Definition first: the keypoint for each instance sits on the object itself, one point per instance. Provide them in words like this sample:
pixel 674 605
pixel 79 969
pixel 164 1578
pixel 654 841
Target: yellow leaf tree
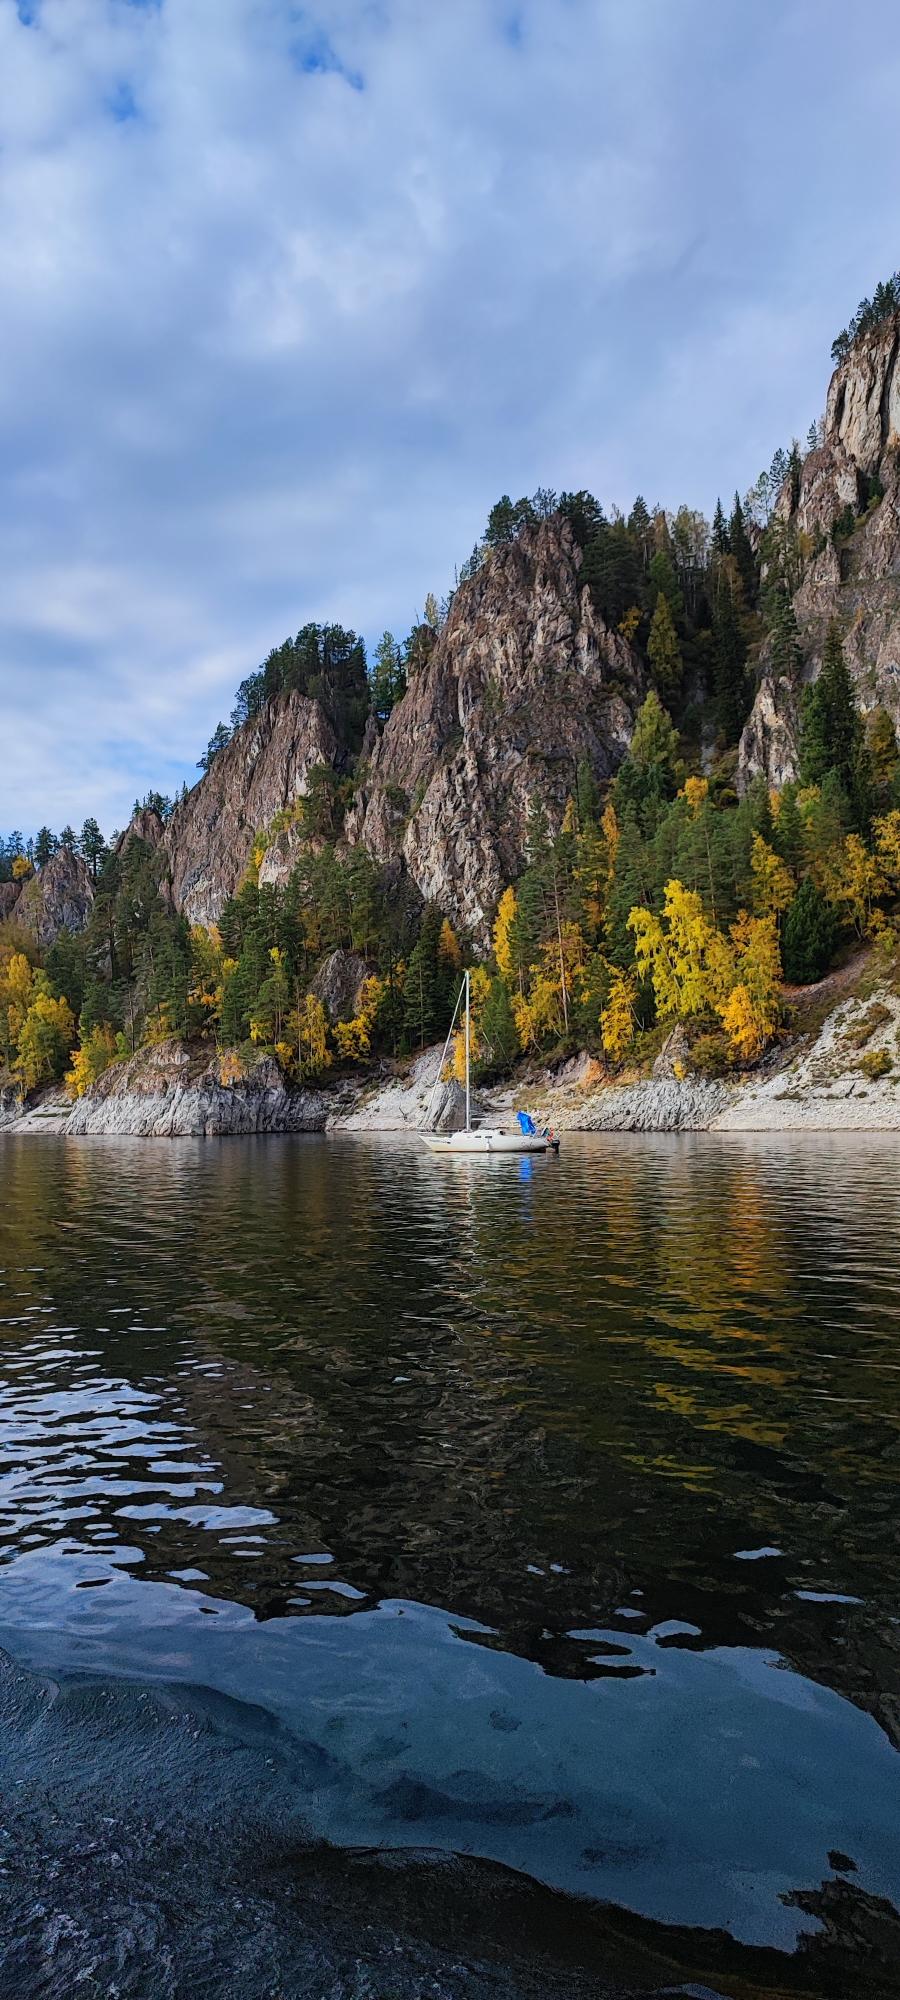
pixel 617 1020
pixel 773 883
pixel 504 933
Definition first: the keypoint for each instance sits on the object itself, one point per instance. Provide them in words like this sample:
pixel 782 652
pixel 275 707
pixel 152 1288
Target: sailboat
pixel 482 1138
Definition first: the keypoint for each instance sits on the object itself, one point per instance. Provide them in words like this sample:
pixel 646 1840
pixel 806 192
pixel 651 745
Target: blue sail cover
pixel 526 1123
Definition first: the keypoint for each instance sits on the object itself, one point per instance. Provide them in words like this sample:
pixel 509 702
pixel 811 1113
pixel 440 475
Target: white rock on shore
pixel 172 1091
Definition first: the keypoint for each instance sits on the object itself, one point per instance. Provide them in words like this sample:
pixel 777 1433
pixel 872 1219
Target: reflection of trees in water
pixel 631 1364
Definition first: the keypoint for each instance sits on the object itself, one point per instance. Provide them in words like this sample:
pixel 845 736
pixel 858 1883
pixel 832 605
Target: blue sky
pixel 291 294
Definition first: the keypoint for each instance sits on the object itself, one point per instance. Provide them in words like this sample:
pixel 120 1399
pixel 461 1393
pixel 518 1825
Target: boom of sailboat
pixel 482 1138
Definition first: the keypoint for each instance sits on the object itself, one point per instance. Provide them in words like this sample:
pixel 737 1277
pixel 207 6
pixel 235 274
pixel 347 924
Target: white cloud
pixel 292 294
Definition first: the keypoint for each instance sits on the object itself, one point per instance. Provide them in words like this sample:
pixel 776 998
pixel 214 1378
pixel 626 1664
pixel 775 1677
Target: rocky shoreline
pixel 844 1076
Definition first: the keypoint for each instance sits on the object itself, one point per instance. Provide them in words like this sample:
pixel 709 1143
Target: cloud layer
pixel 292 294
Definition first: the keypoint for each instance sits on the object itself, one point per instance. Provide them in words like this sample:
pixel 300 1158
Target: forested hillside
pixel 636 767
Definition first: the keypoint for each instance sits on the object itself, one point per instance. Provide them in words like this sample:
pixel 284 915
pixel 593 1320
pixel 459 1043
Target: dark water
pixel 539 1514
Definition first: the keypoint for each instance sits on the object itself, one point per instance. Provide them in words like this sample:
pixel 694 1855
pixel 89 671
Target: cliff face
pixel 61 897
pixel 524 682
pixel 857 582
pixel 209 837
pixel 176 1091
pixel 144 825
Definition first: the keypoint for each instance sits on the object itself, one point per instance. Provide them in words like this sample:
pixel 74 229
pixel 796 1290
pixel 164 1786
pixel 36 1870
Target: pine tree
pixel 422 1010
pixel 787 659
pixel 807 937
pixel 93 846
pixel 787 833
pixel 220 737
pixel 730 680
pixel 497 1027
pixel 45 845
pixel 742 551
pixel 721 540
pixel 832 738
pixel 388 678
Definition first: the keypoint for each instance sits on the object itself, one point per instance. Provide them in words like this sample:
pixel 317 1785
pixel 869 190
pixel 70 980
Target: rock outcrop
pixel 856 581
pixel 9 896
pixel 209 838
pixel 524 683
pixel 175 1090
pixel 144 825
pixel 338 984
pixel 60 898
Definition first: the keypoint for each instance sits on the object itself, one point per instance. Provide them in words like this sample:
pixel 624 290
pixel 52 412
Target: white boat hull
pixel 486 1140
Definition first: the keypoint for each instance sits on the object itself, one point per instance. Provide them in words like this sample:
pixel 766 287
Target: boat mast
pixel 468 1121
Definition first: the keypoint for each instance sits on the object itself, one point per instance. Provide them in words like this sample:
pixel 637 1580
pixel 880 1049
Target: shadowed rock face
pixel 209 838
pixel 858 583
pixel 60 898
pixel 524 682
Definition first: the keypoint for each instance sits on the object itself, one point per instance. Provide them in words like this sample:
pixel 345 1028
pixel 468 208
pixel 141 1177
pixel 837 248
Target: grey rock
pixel 144 825
pixel 175 1091
pixel 523 683
pixel 209 838
pixel 657 1106
pixel 338 984
pixel 858 583
pixel 60 898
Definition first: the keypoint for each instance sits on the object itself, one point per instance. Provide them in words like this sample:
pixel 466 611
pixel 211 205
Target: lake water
pixel 539 1513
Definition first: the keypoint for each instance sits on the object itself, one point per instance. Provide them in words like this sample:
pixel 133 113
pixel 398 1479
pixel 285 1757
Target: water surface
pixel 541 1513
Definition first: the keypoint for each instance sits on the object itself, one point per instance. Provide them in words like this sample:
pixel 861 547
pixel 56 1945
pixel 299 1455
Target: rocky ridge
pixel 858 581
pixel 59 898
pixel 524 682
pixel 209 838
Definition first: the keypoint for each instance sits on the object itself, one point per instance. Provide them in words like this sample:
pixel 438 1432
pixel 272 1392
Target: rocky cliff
pixel 855 579
pixel 266 765
pixel 524 682
pixel 61 897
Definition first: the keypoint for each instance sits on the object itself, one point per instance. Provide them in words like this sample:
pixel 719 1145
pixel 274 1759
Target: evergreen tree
pixel 68 839
pixel 585 516
pixel 422 1009
pixel 93 846
pixel 832 738
pixel 807 936
pixel 742 551
pixel 497 1028
pixel 729 650
pixel 787 833
pixel 45 845
pixel 787 659
pixel 388 676
pixel 587 797
pixel 220 737
pixel 721 540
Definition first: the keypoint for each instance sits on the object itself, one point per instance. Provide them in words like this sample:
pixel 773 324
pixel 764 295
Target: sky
pixel 292 294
